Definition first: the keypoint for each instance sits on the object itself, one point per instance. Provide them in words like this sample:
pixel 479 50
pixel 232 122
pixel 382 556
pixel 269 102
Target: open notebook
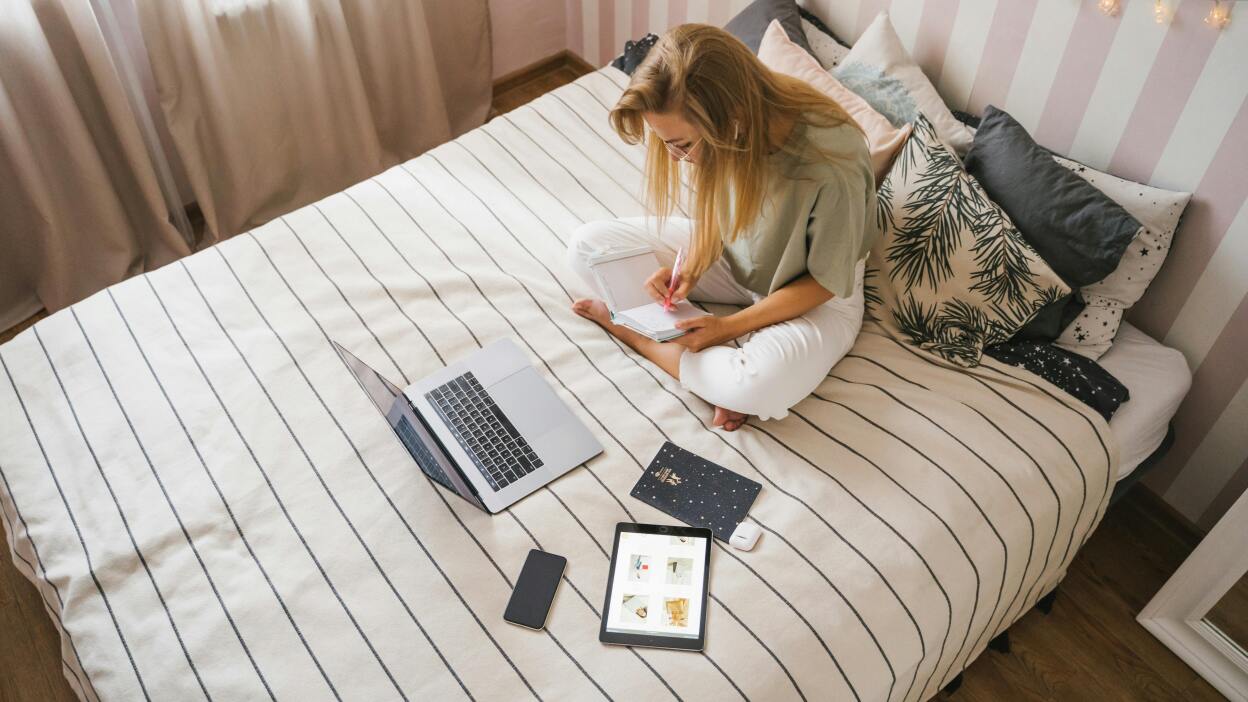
pixel 621 275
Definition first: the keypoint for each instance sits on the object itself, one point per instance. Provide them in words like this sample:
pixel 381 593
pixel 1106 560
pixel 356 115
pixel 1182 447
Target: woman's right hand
pixel 656 285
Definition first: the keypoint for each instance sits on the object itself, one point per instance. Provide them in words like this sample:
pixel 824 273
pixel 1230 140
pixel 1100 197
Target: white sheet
pixel 211 506
pixel 1158 378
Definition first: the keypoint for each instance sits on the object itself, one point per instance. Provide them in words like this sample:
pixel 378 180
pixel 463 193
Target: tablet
pixel 657 587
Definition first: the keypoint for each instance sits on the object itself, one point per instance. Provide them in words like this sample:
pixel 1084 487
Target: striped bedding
pixel 211 508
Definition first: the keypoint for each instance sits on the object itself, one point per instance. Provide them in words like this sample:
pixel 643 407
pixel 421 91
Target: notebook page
pixel 622 276
pixel 658 320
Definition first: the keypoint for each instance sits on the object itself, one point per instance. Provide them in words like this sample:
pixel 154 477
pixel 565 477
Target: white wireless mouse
pixel 745 536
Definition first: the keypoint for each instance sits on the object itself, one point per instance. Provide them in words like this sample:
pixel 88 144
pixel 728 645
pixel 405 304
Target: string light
pixel 1219 16
pixel 1161 12
pixel 1110 7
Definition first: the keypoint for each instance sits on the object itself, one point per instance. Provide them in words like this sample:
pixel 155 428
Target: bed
pixel 210 507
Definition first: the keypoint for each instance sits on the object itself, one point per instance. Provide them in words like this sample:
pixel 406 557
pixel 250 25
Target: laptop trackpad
pixel 530 403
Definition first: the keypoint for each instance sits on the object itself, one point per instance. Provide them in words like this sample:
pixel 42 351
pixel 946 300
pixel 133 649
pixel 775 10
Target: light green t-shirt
pixel 818 218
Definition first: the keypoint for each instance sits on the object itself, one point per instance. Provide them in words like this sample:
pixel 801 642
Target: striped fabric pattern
pixel 1165 105
pixel 211 508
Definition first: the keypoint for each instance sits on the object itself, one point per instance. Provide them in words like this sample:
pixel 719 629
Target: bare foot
pixel 665 356
pixel 728 420
pixel 595 311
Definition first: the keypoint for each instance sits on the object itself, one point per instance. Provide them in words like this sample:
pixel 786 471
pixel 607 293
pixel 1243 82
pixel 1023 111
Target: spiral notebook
pixel 696 491
pixel 621 276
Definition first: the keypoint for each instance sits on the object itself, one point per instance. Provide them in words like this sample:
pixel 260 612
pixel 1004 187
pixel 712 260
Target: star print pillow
pixel 1081 377
pixel 1107 300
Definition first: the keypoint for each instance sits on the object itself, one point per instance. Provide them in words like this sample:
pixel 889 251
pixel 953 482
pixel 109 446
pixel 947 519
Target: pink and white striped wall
pixel 1165 105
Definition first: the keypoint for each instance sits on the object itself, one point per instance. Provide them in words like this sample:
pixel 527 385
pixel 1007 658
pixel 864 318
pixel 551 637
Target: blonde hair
pixel 718 85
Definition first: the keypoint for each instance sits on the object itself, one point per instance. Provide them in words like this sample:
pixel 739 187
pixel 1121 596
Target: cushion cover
pixel 1158 211
pixel 952 274
pixel 782 55
pixel 824 43
pixel 825 49
pixel 880 70
pixel 1081 378
pixel 751 23
pixel 634 53
pixel 1080 232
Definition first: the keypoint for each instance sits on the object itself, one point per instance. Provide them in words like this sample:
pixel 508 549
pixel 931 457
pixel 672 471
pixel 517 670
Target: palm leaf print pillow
pixel 950 273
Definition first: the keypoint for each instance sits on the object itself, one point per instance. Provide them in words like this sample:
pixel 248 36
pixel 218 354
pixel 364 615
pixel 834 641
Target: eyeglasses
pixel 679 153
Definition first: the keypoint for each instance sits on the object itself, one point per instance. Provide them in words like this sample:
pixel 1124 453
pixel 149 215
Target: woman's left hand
pixel 705 332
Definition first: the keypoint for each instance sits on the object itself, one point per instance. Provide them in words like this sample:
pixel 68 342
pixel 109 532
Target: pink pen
pixel 671 284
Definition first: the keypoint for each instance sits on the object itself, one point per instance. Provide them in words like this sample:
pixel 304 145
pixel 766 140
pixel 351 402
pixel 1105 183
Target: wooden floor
pixel 516 88
pixel 1088 648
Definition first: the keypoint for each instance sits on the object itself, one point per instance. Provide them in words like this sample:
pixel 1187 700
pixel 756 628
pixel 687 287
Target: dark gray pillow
pixel 1078 230
pixel 751 23
pixel 634 53
pixel 1049 322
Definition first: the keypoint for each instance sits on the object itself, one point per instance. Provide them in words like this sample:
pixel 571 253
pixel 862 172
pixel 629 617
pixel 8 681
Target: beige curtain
pixel 273 104
pixel 80 203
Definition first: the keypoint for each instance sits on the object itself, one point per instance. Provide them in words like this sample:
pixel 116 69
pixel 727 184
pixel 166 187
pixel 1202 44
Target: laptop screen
pixel 407 425
pixel 381 391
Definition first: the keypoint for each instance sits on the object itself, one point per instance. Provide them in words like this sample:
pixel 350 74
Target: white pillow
pixel 1158 211
pixel 827 51
pixel 880 70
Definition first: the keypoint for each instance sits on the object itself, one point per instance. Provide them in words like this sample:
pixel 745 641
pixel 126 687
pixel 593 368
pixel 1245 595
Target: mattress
pixel 210 506
pixel 1158 378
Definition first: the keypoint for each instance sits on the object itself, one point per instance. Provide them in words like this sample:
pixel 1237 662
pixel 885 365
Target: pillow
pixel 751 23
pixel 822 27
pixel 970 120
pixel 1106 300
pixel 824 44
pixel 1081 378
pixel 954 275
pixel 781 55
pixel 879 69
pixel 634 53
pixel 1077 229
pixel 823 47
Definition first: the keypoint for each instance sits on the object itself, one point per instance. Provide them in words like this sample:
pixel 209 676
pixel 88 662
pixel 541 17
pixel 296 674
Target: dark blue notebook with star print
pixel 696 491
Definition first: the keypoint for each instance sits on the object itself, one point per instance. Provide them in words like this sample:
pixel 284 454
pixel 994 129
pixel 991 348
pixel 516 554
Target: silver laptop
pixel 487 428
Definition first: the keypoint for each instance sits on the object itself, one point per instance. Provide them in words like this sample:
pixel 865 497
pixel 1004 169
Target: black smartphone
pixel 535 589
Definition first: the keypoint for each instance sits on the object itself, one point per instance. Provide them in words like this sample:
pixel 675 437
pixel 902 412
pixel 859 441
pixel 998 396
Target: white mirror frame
pixel 1176 613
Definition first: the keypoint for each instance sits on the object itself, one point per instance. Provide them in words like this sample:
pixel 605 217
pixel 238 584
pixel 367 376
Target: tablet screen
pixel 657 581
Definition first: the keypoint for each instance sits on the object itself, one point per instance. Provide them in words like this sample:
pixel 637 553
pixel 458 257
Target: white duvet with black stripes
pixel 211 508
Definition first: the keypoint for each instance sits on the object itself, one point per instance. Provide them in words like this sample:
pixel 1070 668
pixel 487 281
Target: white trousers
pixel 766 372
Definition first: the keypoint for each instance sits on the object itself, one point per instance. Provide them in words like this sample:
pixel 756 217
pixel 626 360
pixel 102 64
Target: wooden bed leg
pixel 953 685
pixel 1046 603
pixel 1001 644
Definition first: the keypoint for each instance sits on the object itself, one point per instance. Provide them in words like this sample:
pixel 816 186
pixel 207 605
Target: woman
pixel 783 217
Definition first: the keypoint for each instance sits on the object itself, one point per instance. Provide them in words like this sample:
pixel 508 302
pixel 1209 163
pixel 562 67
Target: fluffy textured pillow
pixel 951 273
pixel 751 23
pixel 880 70
pixel 781 55
pixel 1106 300
pixel 1081 233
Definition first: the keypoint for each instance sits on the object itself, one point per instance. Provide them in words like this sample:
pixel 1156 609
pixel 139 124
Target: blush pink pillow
pixel 781 55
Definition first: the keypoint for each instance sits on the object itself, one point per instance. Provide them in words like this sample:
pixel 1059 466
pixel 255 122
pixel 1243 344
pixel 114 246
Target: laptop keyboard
pixel 484 432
